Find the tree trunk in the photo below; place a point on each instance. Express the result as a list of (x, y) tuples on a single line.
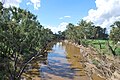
[(111, 49)]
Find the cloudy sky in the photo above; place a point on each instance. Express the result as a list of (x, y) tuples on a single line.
[(56, 14)]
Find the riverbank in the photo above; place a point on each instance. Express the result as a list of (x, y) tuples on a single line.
[(106, 67)]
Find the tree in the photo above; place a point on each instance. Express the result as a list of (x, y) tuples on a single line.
[(22, 38), (86, 28), (100, 33), (115, 32), (70, 32), (83, 31)]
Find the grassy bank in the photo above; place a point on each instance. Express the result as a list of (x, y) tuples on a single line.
[(101, 45)]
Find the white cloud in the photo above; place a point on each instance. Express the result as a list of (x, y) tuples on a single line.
[(65, 17), (8, 3), (61, 27), (36, 3), (61, 18), (105, 14), (28, 3)]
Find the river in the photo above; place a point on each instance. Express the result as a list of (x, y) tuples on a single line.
[(63, 62)]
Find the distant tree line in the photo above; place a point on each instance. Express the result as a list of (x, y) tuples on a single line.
[(84, 30), (87, 30)]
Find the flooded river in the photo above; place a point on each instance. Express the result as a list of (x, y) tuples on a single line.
[(64, 62)]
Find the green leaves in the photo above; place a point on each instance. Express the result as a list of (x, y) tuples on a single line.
[(84, 30), (115, 32), (21, 38)]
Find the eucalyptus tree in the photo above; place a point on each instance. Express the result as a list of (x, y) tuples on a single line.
[(115, 31), (22, 38), (70, 32), (100, 33), (60, 35), (86, 28), (114, 36)]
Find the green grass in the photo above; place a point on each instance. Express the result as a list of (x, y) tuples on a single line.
[(118, 51), (104, 47)]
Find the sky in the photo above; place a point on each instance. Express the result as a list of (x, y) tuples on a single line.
[(56, 14)]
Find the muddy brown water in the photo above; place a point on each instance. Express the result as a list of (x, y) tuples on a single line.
[(64, 62)]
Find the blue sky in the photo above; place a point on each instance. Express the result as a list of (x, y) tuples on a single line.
[(56, 14)]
